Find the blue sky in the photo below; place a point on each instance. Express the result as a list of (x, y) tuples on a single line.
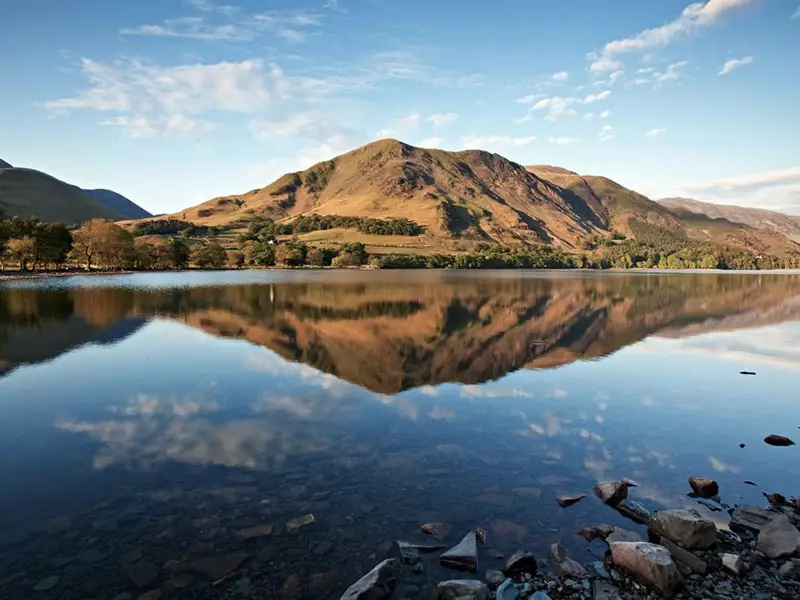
[(172, 102)]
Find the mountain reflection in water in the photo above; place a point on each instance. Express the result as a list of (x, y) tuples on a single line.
[(162, 415)]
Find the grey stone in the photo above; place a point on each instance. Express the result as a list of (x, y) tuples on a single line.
[(595, 532), (142, 573), (540, 596), (649, 563), (694, 563), (634, 511), (438, 531), (299, 522), (779, 538), (566, 501), (602, 590), (378, 584), (612, 492), (464, 555), (704, 487), (507, 591), (564, 564), (733, 563), (462, 588), (790, 569), (521, 561), (494, 578), (47, 584), (123, 596), (684, 527), (751, 517), (623, 535)]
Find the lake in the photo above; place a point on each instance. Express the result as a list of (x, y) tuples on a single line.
[(173, 431)]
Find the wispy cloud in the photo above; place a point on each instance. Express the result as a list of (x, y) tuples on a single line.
[(602, 64), (556, 107), (432, 142), (796, 14), (734, 64), (654, 133), (606, 133), (790, 175), (673, 72), (560, 76), (605, 114), (488, 141), (442, 119), (592, 98), (562, 140)]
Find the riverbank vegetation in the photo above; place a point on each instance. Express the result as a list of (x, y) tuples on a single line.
[(31, 244)]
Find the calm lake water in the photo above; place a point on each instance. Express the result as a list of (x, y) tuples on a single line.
[(149, 422)]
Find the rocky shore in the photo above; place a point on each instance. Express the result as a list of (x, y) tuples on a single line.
[(753, 555)]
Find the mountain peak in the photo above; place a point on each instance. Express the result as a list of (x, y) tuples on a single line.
[(5, 165)]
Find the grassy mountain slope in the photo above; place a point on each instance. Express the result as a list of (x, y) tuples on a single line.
[(26, 193), (118, 203), (787, 225), (471, 195)]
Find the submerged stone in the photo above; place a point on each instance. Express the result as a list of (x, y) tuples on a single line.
[(378, 584), (47, 584), (467, 589), (464, 555), (567, 501), (299, 522)]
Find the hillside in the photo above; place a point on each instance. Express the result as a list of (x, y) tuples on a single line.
[(118, 203), (787, 225), (5, 165)]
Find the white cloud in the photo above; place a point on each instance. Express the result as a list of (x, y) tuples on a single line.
[(441, 119), (409, 121), (601, 64), (693, 17), (605, 114), (311, 125), (734, 64), (796, 14), (672, 72), (654, 133), (589, 116), (556, 107), (592, 98), (432, 142), (405, 65), (560, 76), (561, 141), (790, 175), (606, 133), (486, 141), (612, 79)]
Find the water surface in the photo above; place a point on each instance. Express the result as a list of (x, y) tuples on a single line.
[(160, 414)]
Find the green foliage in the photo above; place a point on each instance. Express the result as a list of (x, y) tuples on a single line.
[(357, 249), (178, 253), (265, 229), (291, 254), (49, 242), (171, 227), (209, 256)]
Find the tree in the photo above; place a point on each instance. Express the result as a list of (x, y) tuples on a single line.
[(145, 255), (358, 249), (116, 250), (291, 254), (178, 254), (235, 259), (210, 255), (22, 250), (347, 259), (315, 257), (53, 243), (88, 240)]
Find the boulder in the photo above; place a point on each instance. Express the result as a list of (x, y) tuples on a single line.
[(564, 564), (494, 578), (521, 562), (779, 538), (614, 491), (634, 511), (462, 589), (684, 527), (602, 590), (778, 440), (733, 563), (649, 563), (704, 487), (464, 555), (751, 517), (623, 535), (566, 501), (694, 563), (507, 591), (790, 570), (595, 532), (378, 584)]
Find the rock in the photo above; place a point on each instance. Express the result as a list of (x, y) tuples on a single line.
[(790, 569), (566, 501), (694, 563), (602, 590), (509, 530), (290, 587), (378, 584), (733, 563), (704, 487), (595, 532), (726, 536), (507, 591), (751, 517), (131, 556), (649, 563), (634, 511), (710, 504), (462, 589), (217, 567), (540, 595), (123, 596), (564, 564), (778, 440), (775, 499), (255, 532), (779, 538), (623, 535), (299, 522), (142, 573), (151, 595), (179, 581), (47, 584), (323, 548), (411, 552), (438, 531), (521, 561), (614, 491), (91, 556), (684, 527), (598, 569), (464, 555), (494, 578)]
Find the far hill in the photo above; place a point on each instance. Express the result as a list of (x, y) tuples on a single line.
[(27, 193), (119, 203), (787, 225)]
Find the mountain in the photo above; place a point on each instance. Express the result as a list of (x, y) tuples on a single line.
[(27, 193), (119, 203), (787, 225), (462, 198)]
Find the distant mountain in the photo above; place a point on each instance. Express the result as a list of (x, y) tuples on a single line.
[(119, 203), (787, 225), (27, 193)]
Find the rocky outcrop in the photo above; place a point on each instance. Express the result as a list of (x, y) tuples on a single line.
[(779, 538), (684, 527), (378, 584), (649, 563)]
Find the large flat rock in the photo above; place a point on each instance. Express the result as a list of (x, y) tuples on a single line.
[(649, 563)]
